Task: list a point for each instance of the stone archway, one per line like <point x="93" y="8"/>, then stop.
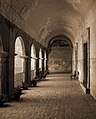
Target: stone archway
<point x="60" y="55"/>
<point x="33" y="62"/>
<point x="45" y="59"/>
<point x="40" y="60"/>
<point x="19" y="62"/>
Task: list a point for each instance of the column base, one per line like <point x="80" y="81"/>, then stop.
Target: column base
<point x="86" y="90"/>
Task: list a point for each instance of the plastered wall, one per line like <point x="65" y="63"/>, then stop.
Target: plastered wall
<point x="90" y="22"/>
<point x="60" y="60"/>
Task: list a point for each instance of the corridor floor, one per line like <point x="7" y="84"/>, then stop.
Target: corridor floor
<point x="55" y="98"/>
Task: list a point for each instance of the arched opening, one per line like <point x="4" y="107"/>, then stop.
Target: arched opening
<point x="33" y="62"/>
<point x="45" y="61"/>
<point x="19" y="62"/>
<point x="1" y="49"/>
<point x="60" y="55"/>
<point x="40" y="60"/>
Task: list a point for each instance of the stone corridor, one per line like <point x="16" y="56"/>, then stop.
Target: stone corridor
<point x="57" y="97"/>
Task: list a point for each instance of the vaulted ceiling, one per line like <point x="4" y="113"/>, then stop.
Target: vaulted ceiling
<point x="49" y="18"/>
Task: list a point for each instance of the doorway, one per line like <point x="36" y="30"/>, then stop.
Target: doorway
<point x="76" y="57"/>
<point x="85" y="63"/>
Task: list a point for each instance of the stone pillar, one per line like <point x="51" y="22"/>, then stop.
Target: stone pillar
<point x="37" y="64"/>
<point x="26" y="70"/>
<point x="46" y="60"/>
<point x="43" y="70"/>
<point x="0" y="76"/>
<point x="47" y="68"/>
<point x="43" y="63"/>
<point x="4" y="72"/>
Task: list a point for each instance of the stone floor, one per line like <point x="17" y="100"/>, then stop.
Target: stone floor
<point x="55" y="98"/>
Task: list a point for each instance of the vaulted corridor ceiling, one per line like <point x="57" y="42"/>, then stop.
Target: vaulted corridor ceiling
<point x="48" y="18"/>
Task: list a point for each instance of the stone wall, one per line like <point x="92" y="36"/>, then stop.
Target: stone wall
<point x="60" y="60"/>
<point x="80" y="61"/>
<point x="90" y="22"/>
<point x="18" y="79"/>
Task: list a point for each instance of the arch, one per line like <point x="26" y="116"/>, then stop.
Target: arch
<point x="60" y="37"/>
<point x="58" y="33"/>
<point x="40" y="59"/>
<point x="1" y="49"/>
<point x="33" y="61"/>
<point x="60" y="50"/>
<point x="19" y="62"/>
<point x="45" y="58"/>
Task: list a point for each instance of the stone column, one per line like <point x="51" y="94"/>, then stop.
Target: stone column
<point x="4" y="72"/>
<point x="0" y="76"/>
<point x="46" y="60"/>
<point x="37" y="67"/>
<point x="42" y="59"/>
<point x="43" y="66"/>
<point x="26" y="70"/>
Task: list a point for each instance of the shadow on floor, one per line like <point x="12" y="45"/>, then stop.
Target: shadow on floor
<point x="5" y="105"/>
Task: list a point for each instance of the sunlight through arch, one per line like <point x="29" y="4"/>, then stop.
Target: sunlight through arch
<point x="33" y="62"/>
<point x="19" y="62"/>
